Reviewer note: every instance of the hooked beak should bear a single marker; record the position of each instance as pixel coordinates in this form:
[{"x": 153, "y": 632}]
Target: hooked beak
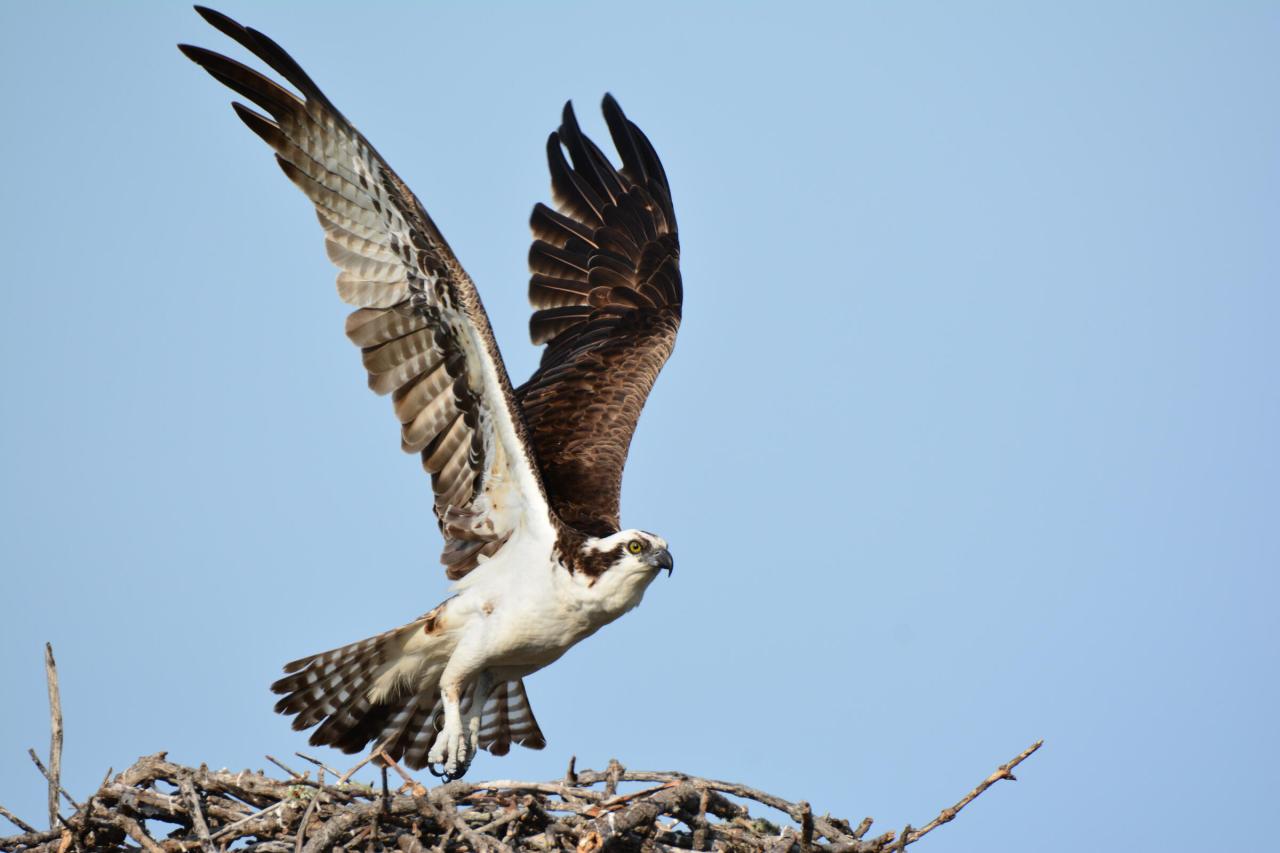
[{"x": 662, "y": 560}]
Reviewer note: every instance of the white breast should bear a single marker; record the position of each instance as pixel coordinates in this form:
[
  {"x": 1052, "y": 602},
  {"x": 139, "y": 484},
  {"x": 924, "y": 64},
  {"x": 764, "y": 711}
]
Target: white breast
[{"x": 530, "y": 609}]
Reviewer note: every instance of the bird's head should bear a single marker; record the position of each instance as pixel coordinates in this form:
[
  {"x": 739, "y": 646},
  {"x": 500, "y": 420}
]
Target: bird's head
[
  {"x": 626, "y": 552},
  {"x": 617, "y": 569}
]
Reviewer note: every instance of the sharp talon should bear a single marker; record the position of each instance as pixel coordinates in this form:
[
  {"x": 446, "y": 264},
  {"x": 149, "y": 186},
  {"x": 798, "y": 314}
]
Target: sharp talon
[{"x": 443, "y": 773}]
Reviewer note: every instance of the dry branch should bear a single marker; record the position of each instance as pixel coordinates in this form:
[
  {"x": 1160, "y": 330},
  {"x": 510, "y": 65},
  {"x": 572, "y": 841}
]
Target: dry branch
[
  {"x": 55, "y": 733},
  {"x": 165, "y": 807}
]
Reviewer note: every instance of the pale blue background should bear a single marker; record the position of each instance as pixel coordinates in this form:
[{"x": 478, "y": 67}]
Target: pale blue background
[{"x": 969, "y": 439}]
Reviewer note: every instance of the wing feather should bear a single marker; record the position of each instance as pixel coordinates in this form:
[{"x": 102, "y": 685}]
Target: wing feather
[
  {"x": 424, "y": 335},
  {"x": 607, "y": 295}
]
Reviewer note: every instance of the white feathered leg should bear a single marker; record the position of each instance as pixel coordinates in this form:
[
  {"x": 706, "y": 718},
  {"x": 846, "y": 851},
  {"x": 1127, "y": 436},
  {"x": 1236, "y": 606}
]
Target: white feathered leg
[
  {"x": 451, "y": 747},
  {"x": 475, "y": 714}
]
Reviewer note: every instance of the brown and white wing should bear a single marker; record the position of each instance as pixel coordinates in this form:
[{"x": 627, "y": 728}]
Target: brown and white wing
[
  {"x": 607, "y": 295},
  {"x": 422, "y": 330}
]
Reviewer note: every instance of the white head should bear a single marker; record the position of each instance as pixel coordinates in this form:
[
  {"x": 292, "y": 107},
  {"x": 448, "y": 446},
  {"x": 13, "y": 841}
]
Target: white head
[{"x": 618, "y": 568}]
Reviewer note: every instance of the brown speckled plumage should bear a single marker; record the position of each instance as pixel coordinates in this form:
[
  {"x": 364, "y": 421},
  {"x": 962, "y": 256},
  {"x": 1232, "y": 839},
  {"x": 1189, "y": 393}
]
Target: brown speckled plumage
[{"x": 606, "y": 286}]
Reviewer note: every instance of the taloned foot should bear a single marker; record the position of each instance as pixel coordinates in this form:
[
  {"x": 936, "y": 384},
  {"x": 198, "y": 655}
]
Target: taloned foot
[{"x": 443, "y": 773}]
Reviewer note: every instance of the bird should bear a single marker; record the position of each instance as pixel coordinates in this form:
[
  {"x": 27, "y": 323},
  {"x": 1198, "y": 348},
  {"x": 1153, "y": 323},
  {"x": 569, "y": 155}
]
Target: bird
[{"x": 526, "y": 480}]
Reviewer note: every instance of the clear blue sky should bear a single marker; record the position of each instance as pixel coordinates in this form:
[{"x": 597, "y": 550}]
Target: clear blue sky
[{"x": 970, "y": 437}]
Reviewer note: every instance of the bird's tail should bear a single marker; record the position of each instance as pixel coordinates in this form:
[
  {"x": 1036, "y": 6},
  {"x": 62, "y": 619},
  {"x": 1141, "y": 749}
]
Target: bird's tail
[
  {"x": 385, "y": 690},
  {"x": 507, "y": 718},
  {"x": 355, "y": 692}
]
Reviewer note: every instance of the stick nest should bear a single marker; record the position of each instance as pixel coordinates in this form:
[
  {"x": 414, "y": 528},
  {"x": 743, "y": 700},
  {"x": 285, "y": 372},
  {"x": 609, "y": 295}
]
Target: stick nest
[{"x": 160, "y": 806}]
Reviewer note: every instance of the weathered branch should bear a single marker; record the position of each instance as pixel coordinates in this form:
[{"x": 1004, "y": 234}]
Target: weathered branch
[
  {"x": 55, "y": 733},
  {"x": 1004, "y": 771},
  {"x": 16, "y": 821}
]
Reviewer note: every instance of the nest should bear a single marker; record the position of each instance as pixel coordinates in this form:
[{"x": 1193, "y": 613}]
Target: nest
[{"x": 158, "y": 805}]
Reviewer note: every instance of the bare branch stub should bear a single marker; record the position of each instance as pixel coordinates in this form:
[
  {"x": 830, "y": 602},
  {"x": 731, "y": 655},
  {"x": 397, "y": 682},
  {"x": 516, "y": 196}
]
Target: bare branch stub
[
  {"x": 583, "y": 812},
  {"x": 55, "y": 733}
]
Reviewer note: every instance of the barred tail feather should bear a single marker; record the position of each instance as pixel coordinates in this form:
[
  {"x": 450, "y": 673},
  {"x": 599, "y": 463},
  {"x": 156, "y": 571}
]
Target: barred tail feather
[
  {"x": 410, "y": 731},
  {"x": 343, "y": 692},
  {"x": 410, "y": 734},
  {"x": 507, "y": 718}
]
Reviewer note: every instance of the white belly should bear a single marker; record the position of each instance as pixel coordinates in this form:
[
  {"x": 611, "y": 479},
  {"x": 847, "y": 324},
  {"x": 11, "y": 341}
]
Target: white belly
[{"x": 522, "y": 612}]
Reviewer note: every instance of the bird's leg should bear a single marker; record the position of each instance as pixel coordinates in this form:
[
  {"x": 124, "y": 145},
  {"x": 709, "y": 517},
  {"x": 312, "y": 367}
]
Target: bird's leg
[
  {"x": 450, "y": 747},
  {"x": 475, "y": 714}
]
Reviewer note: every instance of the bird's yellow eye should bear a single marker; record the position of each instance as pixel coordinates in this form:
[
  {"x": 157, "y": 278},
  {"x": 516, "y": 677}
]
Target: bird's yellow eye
[{"x": 634, "y": 546}]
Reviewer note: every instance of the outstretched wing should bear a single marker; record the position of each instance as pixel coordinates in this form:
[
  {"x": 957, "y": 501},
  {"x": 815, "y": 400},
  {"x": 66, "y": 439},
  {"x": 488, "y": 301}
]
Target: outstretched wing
[
  {"x": 423, "y": 332},
  {"x": 607, "y": 293}
]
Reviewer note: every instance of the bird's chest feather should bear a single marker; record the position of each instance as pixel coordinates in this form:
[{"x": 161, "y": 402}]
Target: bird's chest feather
[{"x": 530, "y": 618}]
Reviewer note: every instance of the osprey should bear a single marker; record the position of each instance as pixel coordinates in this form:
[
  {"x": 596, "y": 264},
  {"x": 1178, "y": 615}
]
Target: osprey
[{"x": 526, "y": 480}]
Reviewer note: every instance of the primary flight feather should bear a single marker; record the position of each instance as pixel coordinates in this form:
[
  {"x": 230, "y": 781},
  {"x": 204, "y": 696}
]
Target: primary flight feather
[{"x": 526, "y": 480}]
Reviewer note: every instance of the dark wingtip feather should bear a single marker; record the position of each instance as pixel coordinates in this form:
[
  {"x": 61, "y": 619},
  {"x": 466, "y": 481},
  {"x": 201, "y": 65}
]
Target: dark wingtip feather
[
  {"x": 217, "y": 19},
  {"x": 266, "y": 49},
  {"x": 624, "y": 139},
  {"x": 589, "y": 162},
  {"x": 264, "y": 127},
  {"x": 611, "y": 108},
  {"x": 568, "y": 189},
  {"x": 240, "y": 78}
]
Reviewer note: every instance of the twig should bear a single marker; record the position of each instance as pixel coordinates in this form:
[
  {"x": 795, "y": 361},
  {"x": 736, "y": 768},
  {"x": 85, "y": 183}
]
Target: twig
[
  {"x": 16, "y": 821},
  {"x": 615, "y": 801},
  {"x": 500, "y": 821},
  {"x": 395, "y": 765},
  {"x": 55, "y": 733},
  {"x": 806, "y": 825},
  {"x": 321, "y": 792},
  {"x": 792, "y": 810},
  {"x": 566, "y": 792},
  {"x": 197, "y": 812},
  {"x": 135, "y": 831},
  {"x": 261, "y": 813},
  {"x": 318, "y": 763},
  {"x": 29, "y": 840},
  {"x": 306, "y": 815},
  {"x": 613, "y": 776},
  {"x": 286, "y": 768},
  {"x": 53, "y": 783},
  {"x": 446, "y": 814},
  {"x": 1004, "y": 771}
]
